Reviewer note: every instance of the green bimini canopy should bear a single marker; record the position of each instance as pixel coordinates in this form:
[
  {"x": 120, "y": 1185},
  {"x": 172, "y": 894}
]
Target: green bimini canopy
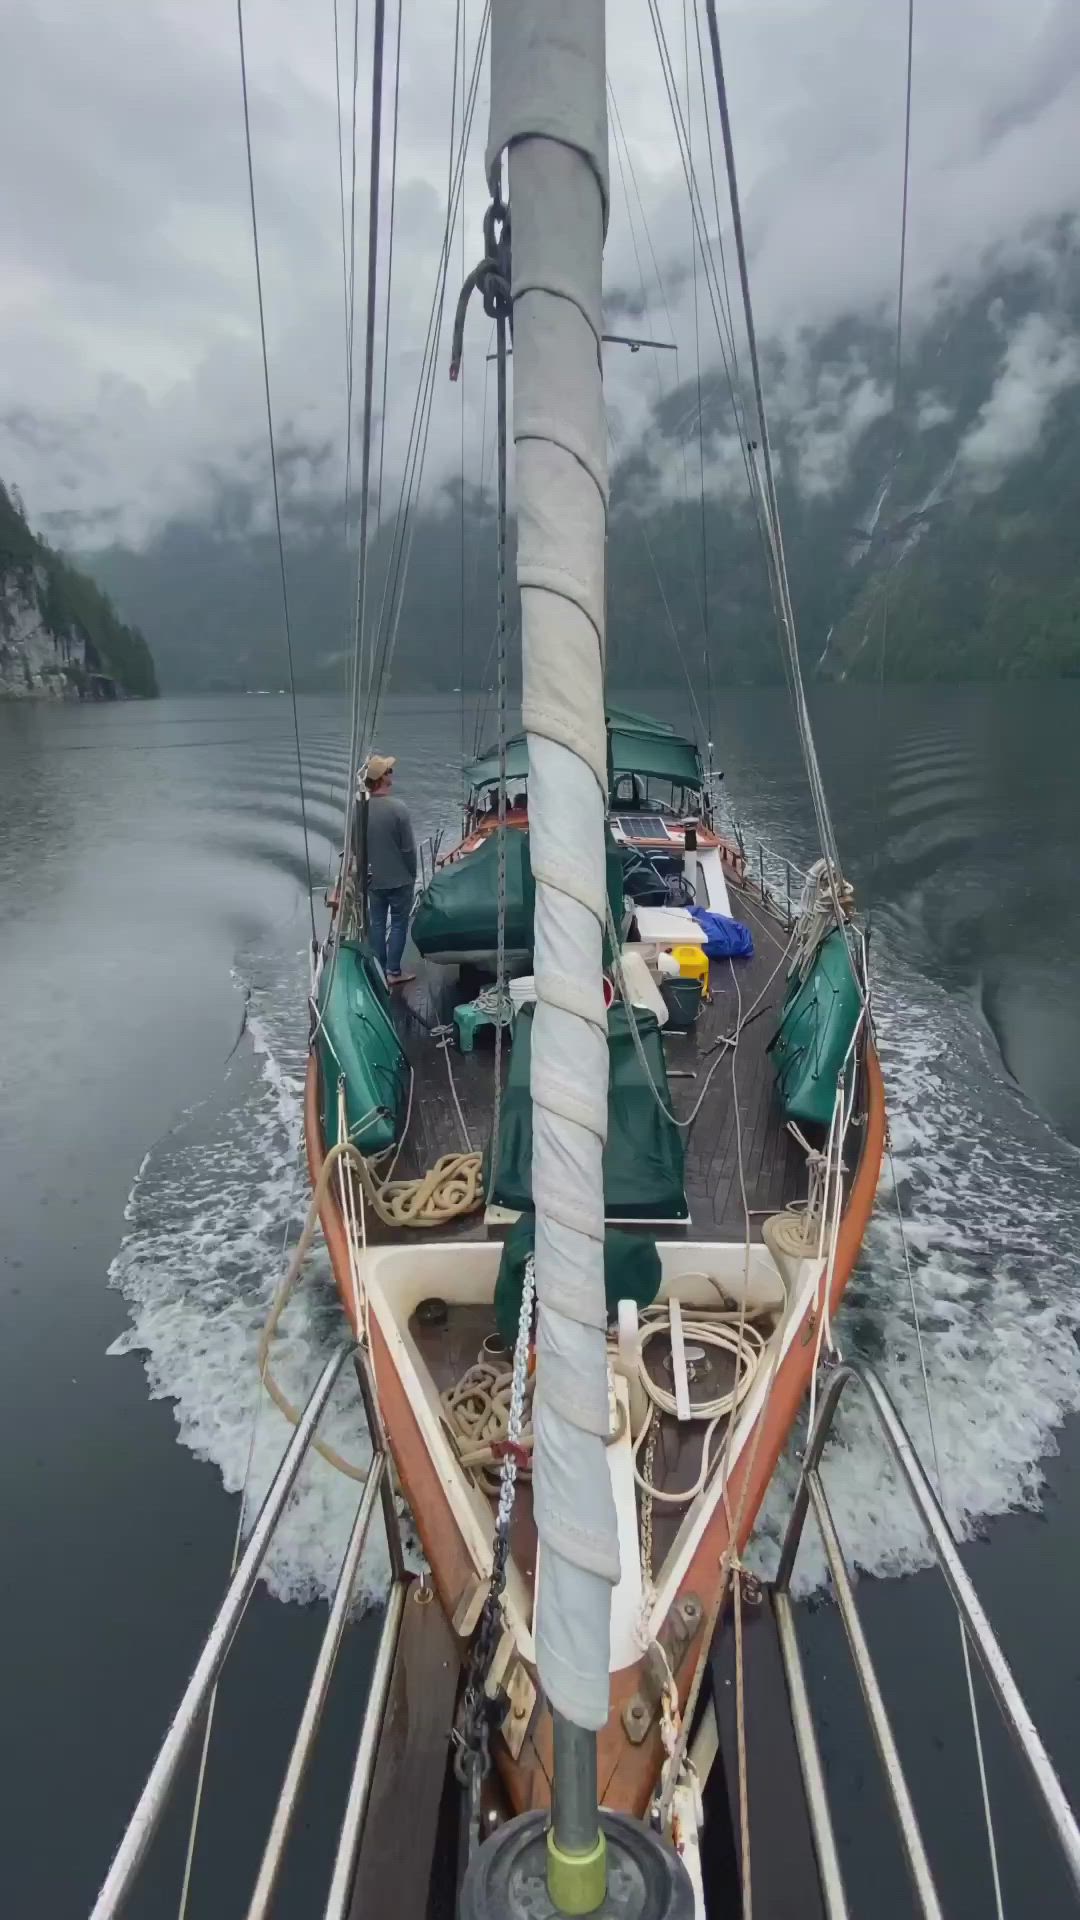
[
  {"x": 638, "y": 745},
  {"x": 643, "y": 1157},
  {"x": 357, "y": 1039},
  {"x": 456, "y": 916},
  {"x": 811, "y": 1043}
]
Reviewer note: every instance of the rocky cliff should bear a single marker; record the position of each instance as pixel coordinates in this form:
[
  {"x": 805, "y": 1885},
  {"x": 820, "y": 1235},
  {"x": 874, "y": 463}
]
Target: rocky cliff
[{"x": 60, "y": 636}]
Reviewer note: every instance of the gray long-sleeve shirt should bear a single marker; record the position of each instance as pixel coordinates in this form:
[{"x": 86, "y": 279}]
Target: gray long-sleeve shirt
[{"x": 391, "y": 845}]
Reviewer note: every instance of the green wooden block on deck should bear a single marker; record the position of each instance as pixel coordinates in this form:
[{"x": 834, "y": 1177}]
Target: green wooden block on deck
[{"x": 468, "y": 1018}]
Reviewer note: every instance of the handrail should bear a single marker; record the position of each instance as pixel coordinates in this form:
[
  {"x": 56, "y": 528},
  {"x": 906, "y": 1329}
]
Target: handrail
[
  {"x": 352, "y": 1823},
  {"x": 1017, "y": 1719},
  {"x": 151, "y": 1804},
  {"x": 281, "y": 1824}
]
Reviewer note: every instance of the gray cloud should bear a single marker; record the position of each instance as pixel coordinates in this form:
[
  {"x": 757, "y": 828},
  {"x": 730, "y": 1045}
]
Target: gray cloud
[
  {"x": 130, "y": 381},
  {"x": 1041, "y": 359}
]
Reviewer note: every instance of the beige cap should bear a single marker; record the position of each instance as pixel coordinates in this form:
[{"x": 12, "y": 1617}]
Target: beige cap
[{"x": 378, "y": 764}]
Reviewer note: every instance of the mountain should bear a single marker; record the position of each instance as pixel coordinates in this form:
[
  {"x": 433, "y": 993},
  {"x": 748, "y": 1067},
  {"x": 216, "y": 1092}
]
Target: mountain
[
  {"x": 949, "y": 526},
  {"x": 213, "y": 596},
  {"x": 60, "y": 636}
]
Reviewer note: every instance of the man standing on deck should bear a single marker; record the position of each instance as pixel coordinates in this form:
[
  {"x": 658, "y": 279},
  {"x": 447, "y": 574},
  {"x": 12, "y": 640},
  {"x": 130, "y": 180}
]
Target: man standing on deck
[{"x": 391, "y": 860}]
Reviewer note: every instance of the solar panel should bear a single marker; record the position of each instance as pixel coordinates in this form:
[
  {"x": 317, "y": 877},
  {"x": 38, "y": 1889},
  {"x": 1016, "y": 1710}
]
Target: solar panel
[{"x": 641, "y": 826}]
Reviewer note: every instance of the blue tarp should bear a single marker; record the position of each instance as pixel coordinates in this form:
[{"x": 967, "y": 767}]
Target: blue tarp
[{"x": 722, "y": 936}]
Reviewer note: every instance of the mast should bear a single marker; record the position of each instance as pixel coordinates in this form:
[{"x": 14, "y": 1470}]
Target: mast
[{"x": 548, "y": 107}]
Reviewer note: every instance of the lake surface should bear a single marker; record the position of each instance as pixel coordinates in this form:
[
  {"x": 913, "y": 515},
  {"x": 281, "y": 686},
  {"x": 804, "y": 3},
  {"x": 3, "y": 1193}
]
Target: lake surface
[{"x": 153, "y": 970}]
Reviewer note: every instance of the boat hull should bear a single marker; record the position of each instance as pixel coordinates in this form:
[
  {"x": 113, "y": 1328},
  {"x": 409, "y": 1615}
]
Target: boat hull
[{"x": 628, "y": 1771}]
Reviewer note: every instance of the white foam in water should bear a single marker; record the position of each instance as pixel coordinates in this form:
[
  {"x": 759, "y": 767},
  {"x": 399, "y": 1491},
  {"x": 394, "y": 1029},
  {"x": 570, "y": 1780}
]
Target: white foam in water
[
  {"x": 199, "y": 1266},
  {"x": 989, "y": 1193}
]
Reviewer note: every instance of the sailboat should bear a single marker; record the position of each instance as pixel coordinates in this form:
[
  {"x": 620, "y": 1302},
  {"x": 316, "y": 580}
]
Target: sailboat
[
  {"x": 585, "y": 1385},
  {"x": 758, "y": 1264}
]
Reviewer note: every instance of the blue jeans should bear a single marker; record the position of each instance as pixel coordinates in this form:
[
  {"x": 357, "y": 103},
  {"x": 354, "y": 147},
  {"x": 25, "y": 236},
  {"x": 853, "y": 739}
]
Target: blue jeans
[{"x": 397, "y": 902}]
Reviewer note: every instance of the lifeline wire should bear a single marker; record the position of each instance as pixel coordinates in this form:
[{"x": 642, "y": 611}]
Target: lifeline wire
[{"x": 273, "y": 467}]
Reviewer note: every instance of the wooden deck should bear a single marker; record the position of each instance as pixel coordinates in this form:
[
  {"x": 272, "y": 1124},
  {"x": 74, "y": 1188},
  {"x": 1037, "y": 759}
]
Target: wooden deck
[{"x": 739, "y": 1109}]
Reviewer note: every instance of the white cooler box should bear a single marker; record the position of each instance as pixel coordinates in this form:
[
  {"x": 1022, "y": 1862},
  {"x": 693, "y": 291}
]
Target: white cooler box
[{"x": 661, "y": 928}]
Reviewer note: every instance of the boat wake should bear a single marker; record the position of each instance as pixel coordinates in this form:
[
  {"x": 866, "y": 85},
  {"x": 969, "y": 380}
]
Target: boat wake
[
  {"x": 988, "y": 1192},
  {"x": 989, "y": 1195},
  {"x": 211, "y": 1211}
]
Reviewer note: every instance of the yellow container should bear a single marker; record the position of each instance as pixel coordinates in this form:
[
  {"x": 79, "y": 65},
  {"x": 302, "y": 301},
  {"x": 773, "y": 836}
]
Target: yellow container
[{"x": 692, "y": 964}]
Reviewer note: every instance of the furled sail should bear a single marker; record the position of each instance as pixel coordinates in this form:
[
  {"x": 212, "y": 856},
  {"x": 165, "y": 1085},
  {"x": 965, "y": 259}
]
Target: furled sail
[{"x": 548, "y": 108}]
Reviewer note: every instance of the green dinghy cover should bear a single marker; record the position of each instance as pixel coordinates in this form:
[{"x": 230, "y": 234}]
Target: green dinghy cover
[
  {"x": 643, "y": 1157},
  {"x": 357, "y": 1038},
  {"x": 631, "y": 1272},
  {"x": 456, "y": 915},
  {"x": 811, "y": 1043}
]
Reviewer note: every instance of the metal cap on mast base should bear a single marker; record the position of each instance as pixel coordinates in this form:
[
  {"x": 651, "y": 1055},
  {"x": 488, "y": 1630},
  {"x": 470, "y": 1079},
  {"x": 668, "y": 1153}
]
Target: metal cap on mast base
[
  {"x": 576, "y": 1849},
  {"x": 509, "y": 1876}
]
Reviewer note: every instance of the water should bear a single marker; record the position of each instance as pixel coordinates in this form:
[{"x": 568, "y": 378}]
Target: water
[{"x": 153, "y": 960}]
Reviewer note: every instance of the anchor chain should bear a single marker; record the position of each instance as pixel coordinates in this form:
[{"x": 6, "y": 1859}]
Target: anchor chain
[{"x": 480, "y": 1711}]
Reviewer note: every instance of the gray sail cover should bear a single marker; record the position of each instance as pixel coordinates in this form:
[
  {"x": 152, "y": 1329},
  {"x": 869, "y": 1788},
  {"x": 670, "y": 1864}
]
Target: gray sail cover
[{"x": 548, "y": 108}]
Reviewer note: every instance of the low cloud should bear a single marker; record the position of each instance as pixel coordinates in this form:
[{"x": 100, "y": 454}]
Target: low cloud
[
  {"x": 932, "y": 411},
  {"x": 130, "y": 375},
  {"x": 1041, "y": 360}
]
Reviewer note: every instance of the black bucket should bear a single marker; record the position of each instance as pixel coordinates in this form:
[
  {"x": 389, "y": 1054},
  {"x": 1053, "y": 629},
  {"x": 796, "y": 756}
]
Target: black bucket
[{"x": 682, "y": 999}]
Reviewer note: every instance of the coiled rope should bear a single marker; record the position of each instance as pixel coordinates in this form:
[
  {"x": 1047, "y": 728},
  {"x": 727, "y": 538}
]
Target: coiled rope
[
  {"x": 447, "y": 1191},
  {"x": 746, "y": 1345},
  {"x": 477, "y": 1413}
]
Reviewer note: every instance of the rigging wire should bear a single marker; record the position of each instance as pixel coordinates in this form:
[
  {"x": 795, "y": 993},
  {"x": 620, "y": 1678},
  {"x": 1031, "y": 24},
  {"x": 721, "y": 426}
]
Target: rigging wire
[
  {"x": 726, "y": 302},
  {"x": 964, "y": 1644},
  {"x": 352, "y": 243},
  {"x": 897, "y": 382},
  {"x": 378, "y": 32},
  {"x": 393, "y": 587},
  {"x": 826, "y": 832},
  {"x": 700, "y": 422},
  {"x": 662, "y": 393},
  {"x": 721, "y": 320},
  {"x": 389, "y": 271},
  {"x": 501, "y": 989},
  {"x": 461, "y": 501},
  {"x": 897, "y": 390},
  {"x": 668, "y": 615},
  {"x": 273, "y": 469},
  {"x": 344, "y": 244},
  {"x": 394, "y": 578}
]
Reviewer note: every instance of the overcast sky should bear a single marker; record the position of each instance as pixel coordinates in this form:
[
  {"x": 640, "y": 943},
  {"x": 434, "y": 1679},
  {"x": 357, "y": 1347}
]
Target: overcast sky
[{"x": 130, "y": 376}]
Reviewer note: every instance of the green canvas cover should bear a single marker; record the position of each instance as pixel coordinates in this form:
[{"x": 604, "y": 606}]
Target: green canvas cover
[
  {"x": 812, "y": 1040},
  {"x": 643, "y": 1157},
  {"x": 631, "y": 1272},
  {"x": 357, "y": 1038},
  {"x": 457, "y": 912},
  {"x": 637, "y": 745}
]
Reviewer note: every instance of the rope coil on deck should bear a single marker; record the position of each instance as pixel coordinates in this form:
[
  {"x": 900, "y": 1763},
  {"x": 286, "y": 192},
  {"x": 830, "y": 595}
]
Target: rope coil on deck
[
  {"x": 448, "y": 1190},
  {"x": 477, "y": 1414}
]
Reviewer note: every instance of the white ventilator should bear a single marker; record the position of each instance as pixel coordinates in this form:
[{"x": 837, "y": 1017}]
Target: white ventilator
[{"x": 548, "y": 107}]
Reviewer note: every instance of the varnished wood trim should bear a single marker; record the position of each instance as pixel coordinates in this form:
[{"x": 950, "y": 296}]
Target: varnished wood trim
[{"x": 627, "y": 1774}]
